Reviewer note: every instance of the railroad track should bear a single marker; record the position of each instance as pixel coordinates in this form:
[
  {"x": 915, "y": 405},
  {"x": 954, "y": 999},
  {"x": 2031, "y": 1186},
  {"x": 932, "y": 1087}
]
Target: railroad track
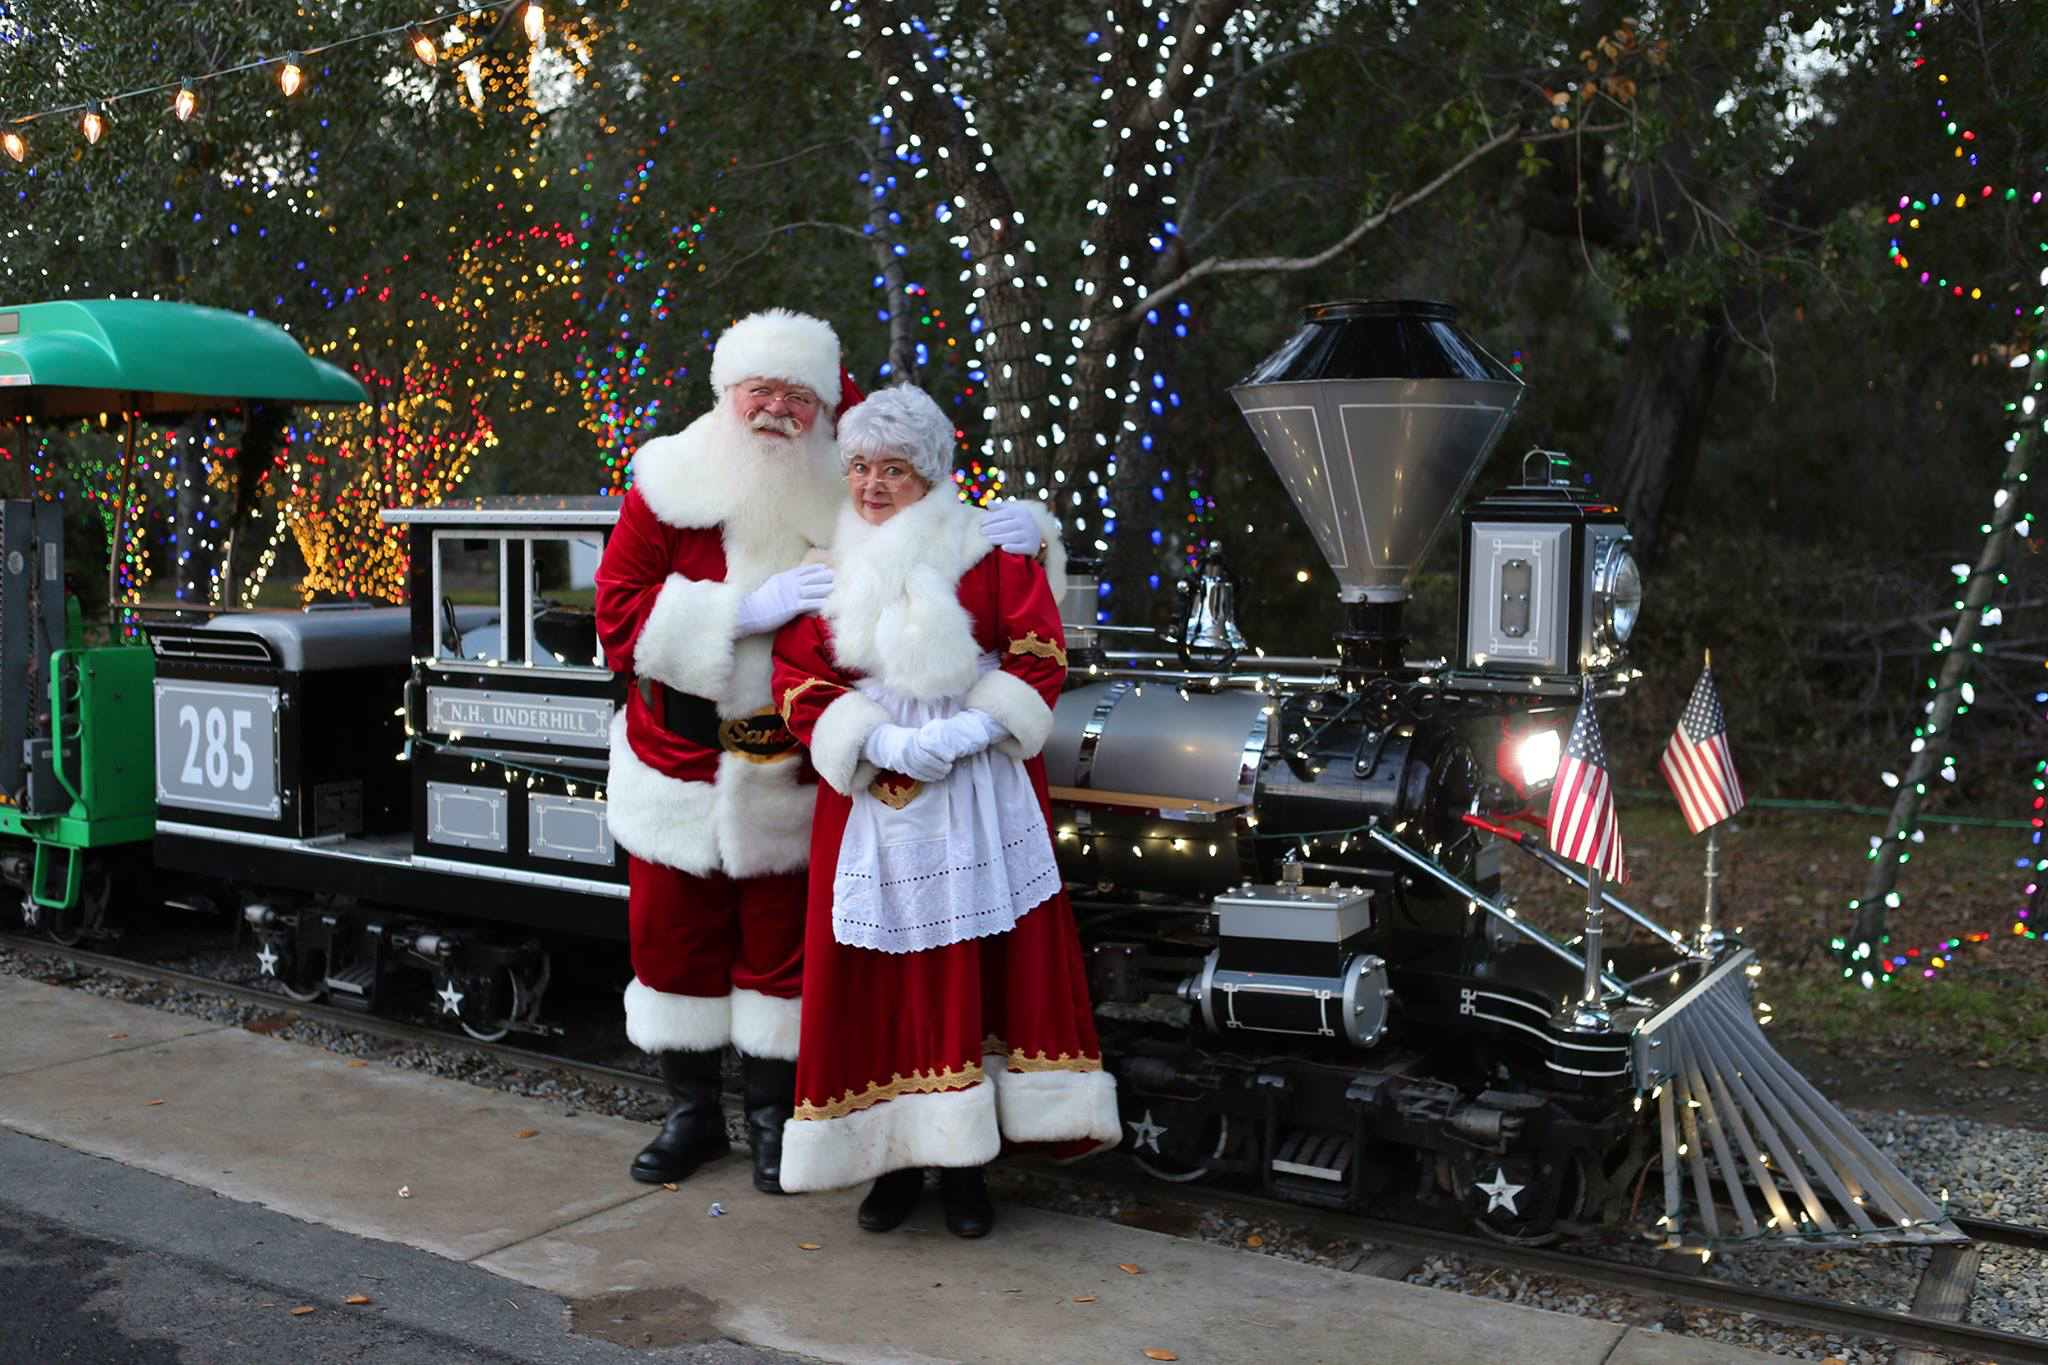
[{"x": 1934, "y": 1324}]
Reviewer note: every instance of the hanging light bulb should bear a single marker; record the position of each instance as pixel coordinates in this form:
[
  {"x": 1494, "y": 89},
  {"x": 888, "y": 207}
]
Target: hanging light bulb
[
  {"x": 423, "y": 47},
  {"x": 290, "y": 78},
  {"x": 187, "y": 103},
  {"x": 94, "y": 123},
  {"x": 536, "y": 20},
  {"x": 15, "y": 147}
]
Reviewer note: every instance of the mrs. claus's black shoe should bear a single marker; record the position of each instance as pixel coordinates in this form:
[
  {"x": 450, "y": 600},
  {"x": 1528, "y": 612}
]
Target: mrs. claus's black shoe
[{"x": 891, "y": 1200}]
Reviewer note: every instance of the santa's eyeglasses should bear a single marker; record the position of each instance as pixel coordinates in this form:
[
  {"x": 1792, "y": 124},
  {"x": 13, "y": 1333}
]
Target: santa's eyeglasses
[{"x": 795, "y": 398}]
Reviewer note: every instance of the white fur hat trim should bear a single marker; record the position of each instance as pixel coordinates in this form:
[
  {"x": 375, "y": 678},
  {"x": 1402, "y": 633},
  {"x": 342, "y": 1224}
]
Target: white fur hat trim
[
  {"x": 779, "y": 344},
  {"x": 904, "y": 422}
]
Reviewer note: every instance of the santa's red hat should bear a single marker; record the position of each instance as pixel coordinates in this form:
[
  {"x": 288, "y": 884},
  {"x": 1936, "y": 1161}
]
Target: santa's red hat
[{"x": 778, "y": 344}]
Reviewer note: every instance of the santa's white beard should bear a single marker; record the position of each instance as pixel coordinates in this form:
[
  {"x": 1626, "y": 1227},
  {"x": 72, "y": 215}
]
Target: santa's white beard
[{"x": 780, "y": 470}]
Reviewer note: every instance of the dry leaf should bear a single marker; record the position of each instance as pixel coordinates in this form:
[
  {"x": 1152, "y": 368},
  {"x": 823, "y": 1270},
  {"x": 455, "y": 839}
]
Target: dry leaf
[
  {"x": 117, "y": 1035},
  {"x": 807, "y": 1246},
  {"x": 302, "y": 1311},
  {"x": 1255, "y": 1240},
  {"x": 1983, "y": 1063},
  {"x": 1129, "y": 1269},
  {"x": 668, "y": 1184},
  {"x": 531, "y": 1132},
  {"x": 150, "y": 1104},
  {"x": 1154, "y": 1353},
  {"x": 358, "y": 1300},
  {"x": 1084, "y": 1298},
  {"x": 359, "y": 1062}
]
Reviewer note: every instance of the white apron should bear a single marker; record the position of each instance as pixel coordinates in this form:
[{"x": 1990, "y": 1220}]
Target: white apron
[{"x": 967, "y": 857}]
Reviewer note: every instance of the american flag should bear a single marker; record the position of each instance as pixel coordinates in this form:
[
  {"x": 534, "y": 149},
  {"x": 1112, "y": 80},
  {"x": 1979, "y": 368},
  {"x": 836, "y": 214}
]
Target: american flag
[
  {"x": 1582, "y": 824},
  {"x": 1697, "y": 763}
]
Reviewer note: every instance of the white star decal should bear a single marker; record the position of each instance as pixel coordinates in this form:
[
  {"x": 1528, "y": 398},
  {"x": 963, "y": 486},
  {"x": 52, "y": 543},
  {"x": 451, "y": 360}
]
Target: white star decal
[
  {"x": 1144, "y": 1132},
  {"x": 1500, "y": 1194},
  {"x": 266, "y": 956},
  {"x": 451, "y": 999}
]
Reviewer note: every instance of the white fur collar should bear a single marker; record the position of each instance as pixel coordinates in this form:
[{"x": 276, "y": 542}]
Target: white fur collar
[{"x": 895, "y": 612}]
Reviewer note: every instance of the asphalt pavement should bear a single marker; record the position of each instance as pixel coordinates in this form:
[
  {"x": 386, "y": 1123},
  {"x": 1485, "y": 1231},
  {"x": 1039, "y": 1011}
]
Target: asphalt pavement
[{"x": 104, "y": 1263}]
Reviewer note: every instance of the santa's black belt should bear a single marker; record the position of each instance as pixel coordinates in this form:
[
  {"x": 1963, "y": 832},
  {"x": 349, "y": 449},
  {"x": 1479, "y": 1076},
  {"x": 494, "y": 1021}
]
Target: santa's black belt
[{"x": 759, "y": 738}]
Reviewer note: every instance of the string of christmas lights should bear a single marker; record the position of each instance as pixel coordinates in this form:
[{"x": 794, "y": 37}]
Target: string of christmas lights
[
  {"x": 1952, "y": 692},
  {"x": 290, "y": 67}
]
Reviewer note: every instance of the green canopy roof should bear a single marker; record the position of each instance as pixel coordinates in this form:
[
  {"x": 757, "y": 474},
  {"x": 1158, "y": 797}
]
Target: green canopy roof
[{"x": 77, "y": 358}]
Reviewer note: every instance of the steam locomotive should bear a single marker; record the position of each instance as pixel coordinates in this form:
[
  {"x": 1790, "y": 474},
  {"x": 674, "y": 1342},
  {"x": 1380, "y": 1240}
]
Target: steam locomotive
[{"x": 1287, "y": 871}]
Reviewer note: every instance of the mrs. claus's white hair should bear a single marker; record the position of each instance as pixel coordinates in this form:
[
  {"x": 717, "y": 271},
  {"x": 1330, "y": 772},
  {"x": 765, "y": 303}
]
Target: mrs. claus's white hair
[{"x": 903, "y": 422}]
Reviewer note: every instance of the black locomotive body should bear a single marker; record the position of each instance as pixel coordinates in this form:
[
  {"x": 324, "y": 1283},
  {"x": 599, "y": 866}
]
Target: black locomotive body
[{"x": 383, "y": 789}]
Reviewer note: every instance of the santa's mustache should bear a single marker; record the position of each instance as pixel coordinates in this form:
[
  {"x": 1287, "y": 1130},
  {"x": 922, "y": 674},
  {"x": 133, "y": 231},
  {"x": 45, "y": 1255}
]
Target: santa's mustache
[{"x": 765, "y": 420}]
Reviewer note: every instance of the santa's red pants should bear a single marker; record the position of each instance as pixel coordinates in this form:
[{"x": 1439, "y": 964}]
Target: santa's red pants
[{"x": 707, "y": 936}]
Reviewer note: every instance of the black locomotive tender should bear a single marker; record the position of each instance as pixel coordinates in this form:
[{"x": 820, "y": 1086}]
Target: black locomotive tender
[{"x": 1286, "y": 871}]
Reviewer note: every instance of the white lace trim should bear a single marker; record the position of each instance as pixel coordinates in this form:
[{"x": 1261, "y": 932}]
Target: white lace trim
[{"x": 969, "y": 856}]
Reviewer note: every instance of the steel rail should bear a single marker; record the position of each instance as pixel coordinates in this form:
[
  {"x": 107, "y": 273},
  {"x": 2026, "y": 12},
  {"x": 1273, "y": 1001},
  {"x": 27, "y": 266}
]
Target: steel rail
[{"x": 1794, "y": 1309}]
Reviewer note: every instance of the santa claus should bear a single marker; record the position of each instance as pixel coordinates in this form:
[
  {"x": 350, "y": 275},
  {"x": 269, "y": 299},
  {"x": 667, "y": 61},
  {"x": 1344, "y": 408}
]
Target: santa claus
[{"x": 709, "y": 793}]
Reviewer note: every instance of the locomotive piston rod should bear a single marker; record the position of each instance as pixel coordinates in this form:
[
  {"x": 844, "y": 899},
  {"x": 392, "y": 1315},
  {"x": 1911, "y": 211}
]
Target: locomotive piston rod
[{"x": 1472, "y": 894}]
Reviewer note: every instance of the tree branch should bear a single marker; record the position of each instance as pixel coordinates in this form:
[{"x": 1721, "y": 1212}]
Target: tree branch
[{"x": 1399, "y": 204}]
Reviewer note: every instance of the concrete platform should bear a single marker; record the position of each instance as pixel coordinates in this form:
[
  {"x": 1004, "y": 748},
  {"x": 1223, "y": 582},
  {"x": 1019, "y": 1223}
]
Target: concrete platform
[{"x": 511, "y": 1186}]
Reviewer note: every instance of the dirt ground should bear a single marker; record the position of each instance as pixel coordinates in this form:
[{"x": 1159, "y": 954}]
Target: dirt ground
[{"x": 1971, "y": 1039}]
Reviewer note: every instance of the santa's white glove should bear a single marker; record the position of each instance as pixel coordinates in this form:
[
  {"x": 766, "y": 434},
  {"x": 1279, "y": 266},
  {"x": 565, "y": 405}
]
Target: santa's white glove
[
  {"x": 956, "y": 737},
  {"x": 1008, "y": 526},
  {"x": 784, "y": 597},
  {"x": 899, "y": 749}
]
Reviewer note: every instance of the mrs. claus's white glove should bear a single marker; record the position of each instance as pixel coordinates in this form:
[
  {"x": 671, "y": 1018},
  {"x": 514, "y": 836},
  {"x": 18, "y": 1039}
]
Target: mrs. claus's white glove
[
  {"x": 1008, "y": 526},
  {"x": 784, "y": 597},
  {"x": 900, "y": 749},
  {"x": 961, "y": 736}
]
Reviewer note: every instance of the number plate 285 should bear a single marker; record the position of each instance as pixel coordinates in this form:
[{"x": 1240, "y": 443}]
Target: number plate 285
[{"x": 216, "y": 747}]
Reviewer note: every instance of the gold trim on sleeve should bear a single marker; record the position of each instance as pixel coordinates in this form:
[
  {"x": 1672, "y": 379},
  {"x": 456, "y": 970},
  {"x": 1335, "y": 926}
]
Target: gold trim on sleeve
[
  {"x": 1044, "y": 649},
  {"x": 1019, "y": 1060},
  {"x": 789, "y": 697}
]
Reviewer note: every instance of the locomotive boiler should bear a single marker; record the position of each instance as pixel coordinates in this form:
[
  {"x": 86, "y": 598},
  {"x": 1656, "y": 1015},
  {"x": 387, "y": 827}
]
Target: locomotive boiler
[{"x": 1287, "y": 870}]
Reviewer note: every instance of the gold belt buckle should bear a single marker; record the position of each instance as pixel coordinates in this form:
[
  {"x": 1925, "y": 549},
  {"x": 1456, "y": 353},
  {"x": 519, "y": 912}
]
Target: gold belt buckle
[{"x": 760, "y": 738}]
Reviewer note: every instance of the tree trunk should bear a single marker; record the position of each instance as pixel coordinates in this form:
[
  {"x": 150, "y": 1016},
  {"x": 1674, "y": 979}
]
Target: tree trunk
[{"x": 1653, "y": 436}]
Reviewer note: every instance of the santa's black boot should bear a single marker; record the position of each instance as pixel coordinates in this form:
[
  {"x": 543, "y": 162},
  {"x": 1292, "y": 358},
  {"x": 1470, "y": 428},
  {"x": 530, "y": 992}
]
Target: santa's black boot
[
  {"x": 771, "y": 1101},
  {"x": 694, "y": 1131},
  {"x": 965, "y": 1195}
]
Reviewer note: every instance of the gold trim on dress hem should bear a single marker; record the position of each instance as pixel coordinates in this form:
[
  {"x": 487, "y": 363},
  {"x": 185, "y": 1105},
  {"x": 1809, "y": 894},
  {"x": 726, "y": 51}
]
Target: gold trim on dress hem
[
  {"x": 916, "y": 1083},
  {"x": 1044, "y": 649},
  {"x": 992, "y": 1046}
]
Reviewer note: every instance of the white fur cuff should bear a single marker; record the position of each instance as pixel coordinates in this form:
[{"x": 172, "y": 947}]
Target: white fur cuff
[
  {"x": 1018, "y": 706},
  {"x": 765, "y": 1025},
  {"x": 841, "y": 733},
  {"x": 1056, "y": 1106},
  {"x": 689, "y": 636},
  {"x": 659, "y": 1022},
  {"x": 944, "y": 1128}
]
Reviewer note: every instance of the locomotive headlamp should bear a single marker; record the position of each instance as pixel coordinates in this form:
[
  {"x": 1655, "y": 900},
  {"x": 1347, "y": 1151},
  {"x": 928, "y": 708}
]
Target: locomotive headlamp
[
  {"x": 1549, "y": 588},
  {"x": 1535, "y": 759}
]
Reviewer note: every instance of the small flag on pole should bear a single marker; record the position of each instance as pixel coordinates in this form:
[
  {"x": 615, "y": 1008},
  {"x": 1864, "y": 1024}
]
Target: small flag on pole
[
  {"x": 1697, "y": 763},
  {"x": 1582, "y": 823}
]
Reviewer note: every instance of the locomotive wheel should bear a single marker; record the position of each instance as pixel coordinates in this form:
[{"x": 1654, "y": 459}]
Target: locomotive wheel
[
  {"x": 1177, "y": 1172},
  {"x": 526, "y": 988},
  {"x": 84, "y": 916},
  {"x": 1572, "y": 1203}
]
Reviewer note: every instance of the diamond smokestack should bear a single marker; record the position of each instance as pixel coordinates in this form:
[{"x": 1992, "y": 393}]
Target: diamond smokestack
[{"x": 1377, "y": 415}]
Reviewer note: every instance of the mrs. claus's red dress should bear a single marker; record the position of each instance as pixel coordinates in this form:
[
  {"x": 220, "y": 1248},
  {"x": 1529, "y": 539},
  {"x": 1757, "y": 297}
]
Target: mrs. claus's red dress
[{"x": 940, "y": 1056}]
